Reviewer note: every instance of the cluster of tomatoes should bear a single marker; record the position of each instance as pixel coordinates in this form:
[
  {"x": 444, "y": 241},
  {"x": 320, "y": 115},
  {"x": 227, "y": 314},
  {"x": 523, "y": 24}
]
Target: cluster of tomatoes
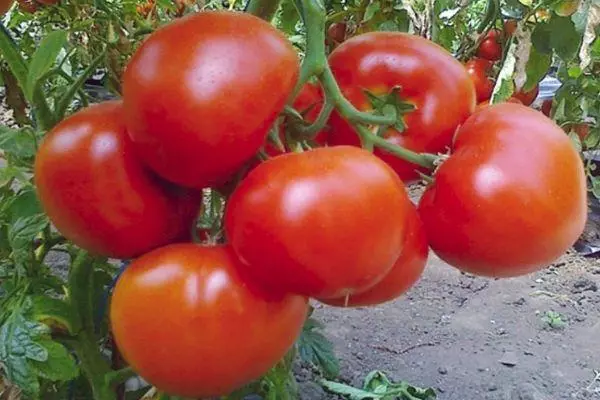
[
  {"x": 124, "y": 179},
  {"x": 481, "y": 67}
]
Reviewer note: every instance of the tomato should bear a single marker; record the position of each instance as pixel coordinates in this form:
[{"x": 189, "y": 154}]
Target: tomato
[
  {"x": 485, "y": 104},
  {"x": 510, "y": 199},
  {"x": 490, "y": 48},
  {"x": 581, "y": 130},
  {"x": 510, "y": 27},
  {"x": 324, "y": 223},
  {"x": 5, "y": 6},
  {"x": 431, "y": 79},
  {"x": 566, "y": 8},
  {"x": 477, "y": 70},
  {"x": 404, "y": 274},
  {"x": 547, "y": 107},
  {"x": 174, "y": 311},
  {"x": 97, "y": 193},
  {"x": 529, "y": 97},
  {"x": 337, "y": 32},
  {"x": 201, "y": 93}
]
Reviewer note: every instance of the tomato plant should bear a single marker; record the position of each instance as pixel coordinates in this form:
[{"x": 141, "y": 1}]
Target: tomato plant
[
  {"x": 200, "y": 294},
  {"x": 404, "y": 274},
  {"x": 291, "y": 237},
  {"x": 99, "y": 195},
  {"x": 437, "y": 90},
  {"x": 171, "y": 139},
  {"x": 520, "y": 203}
]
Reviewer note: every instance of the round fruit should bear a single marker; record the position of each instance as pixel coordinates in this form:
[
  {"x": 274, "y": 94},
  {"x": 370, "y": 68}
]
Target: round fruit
[
  {"x": 5, "y": 6},
  {"x": 477, "y": 70},
  {"x": 404, "y": 274},
  {"x": 547, "y": 107},
  {"x": 201, "y": 93},
  {"x": 97, "y": 193},
  {"x": 490, "y": 48},
  {"x": 324, "y": 223},
  {"x": 174, "y": 311},
  {"x": 511, "y": 198},
  {"x": 527, "y": 98},
  {"x": 337, "y": 32},
  {"x": 429, "y": 77},
  {"x": 566, "y": 8}
]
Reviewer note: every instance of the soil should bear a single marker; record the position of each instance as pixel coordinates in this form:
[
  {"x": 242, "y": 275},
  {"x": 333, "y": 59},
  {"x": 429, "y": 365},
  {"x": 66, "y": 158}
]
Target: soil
[{"x": 472, "y": 338}]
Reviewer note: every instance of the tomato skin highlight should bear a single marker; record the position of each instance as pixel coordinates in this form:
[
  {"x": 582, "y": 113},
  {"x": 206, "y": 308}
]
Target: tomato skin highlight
[
  {"x": 201, "y": 93},
  {"x": 174, "y": 311},
  {"x": 511, "y": 198},
  {"x": 324, "y": 223},
  {"x": 404, "y": 274},
  {"x": 97, "y": 193},
  {"x": 431, "y": 79},
  {"x": 490, "y": 48}
]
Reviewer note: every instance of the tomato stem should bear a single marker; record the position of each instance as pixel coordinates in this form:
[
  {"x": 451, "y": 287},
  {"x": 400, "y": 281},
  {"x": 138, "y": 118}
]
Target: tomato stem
[{"x": 264, "y": 9}]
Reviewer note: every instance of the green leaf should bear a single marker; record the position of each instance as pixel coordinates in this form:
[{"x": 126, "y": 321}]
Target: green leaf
[
  {"x": 314, "y": 348},
  {"x": 371, "y": 10},
  {"x": 537, "y": 67},
  {"x": 20, "y": 143},
  {"x": 541, "y": 38},
  {"x": 505, "y": 85},
  {"x": 25, "y": 229},
  {"x": 24, "y": 204},
  {"x": 12, "y": 55},
  {"x": 287, "y": 17},
  {"x": 43, "y": 58},
  {"x": 348, "y": 391},
  {"x": 59, "y": 365},
  {"x": 55, "y": 313},
  {"x": 565, "y": 39}
]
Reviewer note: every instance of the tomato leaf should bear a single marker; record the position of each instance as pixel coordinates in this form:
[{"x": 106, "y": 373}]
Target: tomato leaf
[
  {"x": 55, "y": 313},
  {"x": 20, "y": 143},
  {"x": 348, "y": 391},
  {"x": 59, "y": 364},
  {"x": 287, "y": 17},
  {"x": 371, "y": 11},
  {"x": 541, "y": 38},
  {"x": 315, "y": 349},
  {"x": 21, "y": 235},
  {"x": 43, "y": 58},
  {"x": 565, "y": 39},
  {"x": 505, "y": 86},
  {"x": 537, "y": 67}
]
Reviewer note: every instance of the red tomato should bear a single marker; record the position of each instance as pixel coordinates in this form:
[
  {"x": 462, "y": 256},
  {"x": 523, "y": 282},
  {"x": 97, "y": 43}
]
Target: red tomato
[
  {"x": 490, "y": 48},
  {"x": 97, "y": 193},
  {"x": 337, "y": 32},
  {"x": 511, "y": 198},
  {"x": 174, "y": 311},
  {"x": 477, "y": 70},
  {"x": 527, "y": 98},
  {"x": 431, "y": 79},
  {"x": 201, "y": 93},
  {"x": 404, "y": 274},
  {"x": 324, "y": 223},
  {"x": 547, "y": 107}
]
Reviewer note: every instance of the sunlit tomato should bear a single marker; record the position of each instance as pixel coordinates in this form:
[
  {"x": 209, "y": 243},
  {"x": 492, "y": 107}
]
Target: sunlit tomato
[
  {"x": 490, "y": 48},
  {"x": 99, "y": 196},
  {"x": 324, "y": 223},
  {"x": 478, "y": 69},
  {"x": 5, "y": 6},
  {"x": 430, "y": 78},
  {"x": 174, "y": 311},
  {"x": 510, "y": 199},
  {"x": 404, "y": 274},
  {"x": 337, "y": 32},
  {"x": 527, "y": 98},
  {"x": 201, "y": 93}
]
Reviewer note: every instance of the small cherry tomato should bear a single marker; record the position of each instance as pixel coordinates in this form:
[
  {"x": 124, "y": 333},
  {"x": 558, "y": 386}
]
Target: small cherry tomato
[
  {"x": 527, "y": 98},
  {"x": 478, "y": 69},
  {"x": 490, "y": 48}
]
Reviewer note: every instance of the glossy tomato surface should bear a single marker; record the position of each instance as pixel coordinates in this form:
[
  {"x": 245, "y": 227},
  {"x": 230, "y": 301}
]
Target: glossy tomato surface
[
  {"x": 201, "y": 93},
  {"x": 324, "y": 223},
  {"x": 188, "y": 322},
  {"x": 478, "y": 69},
  {"x": 431, "y": 79},
  {"x": 512, "y": 196},
  {"x": 490, "y": 48},
  {"x": 98, "y": 194},
  {"x": 404, "y": 274}
]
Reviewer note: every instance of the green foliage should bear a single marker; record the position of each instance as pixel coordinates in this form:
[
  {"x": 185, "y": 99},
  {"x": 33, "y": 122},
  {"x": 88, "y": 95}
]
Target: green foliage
[{"x": 315, "y": 349}]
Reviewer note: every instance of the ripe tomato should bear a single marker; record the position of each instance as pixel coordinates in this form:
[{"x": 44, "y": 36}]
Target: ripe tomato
[
  {"x": 431, "y": 79},
  {"x": 337, "y": 32},
  {"x": 98, "y": 194},
  {"x": 201, "y": 93},
  {"x": 490, "y": 48},
  {"x": 324, "y": 223},
  {"x": 175, "y": 309},
  {"x": 477, "y": 70},
  {"x": 404, "y": 274},
  {"x": 527, "y": 98},
  {"x": 547, "y": 107},
  {"x": 5, "y": 6},
  {"x": 510, "y": 199}
]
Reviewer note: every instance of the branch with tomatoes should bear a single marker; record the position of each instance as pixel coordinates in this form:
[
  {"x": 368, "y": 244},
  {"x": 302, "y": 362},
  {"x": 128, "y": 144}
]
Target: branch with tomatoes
[{"x": 239, "y": 182}]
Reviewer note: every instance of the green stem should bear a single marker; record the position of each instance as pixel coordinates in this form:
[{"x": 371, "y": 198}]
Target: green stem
[
  {"x": 425, "y": 160},
  {"x": 264, "y": 9},
  {"x": 310, "y": 131},
  {"x": 93, "y": 364},
  {"x": 115, "y": 378}
]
